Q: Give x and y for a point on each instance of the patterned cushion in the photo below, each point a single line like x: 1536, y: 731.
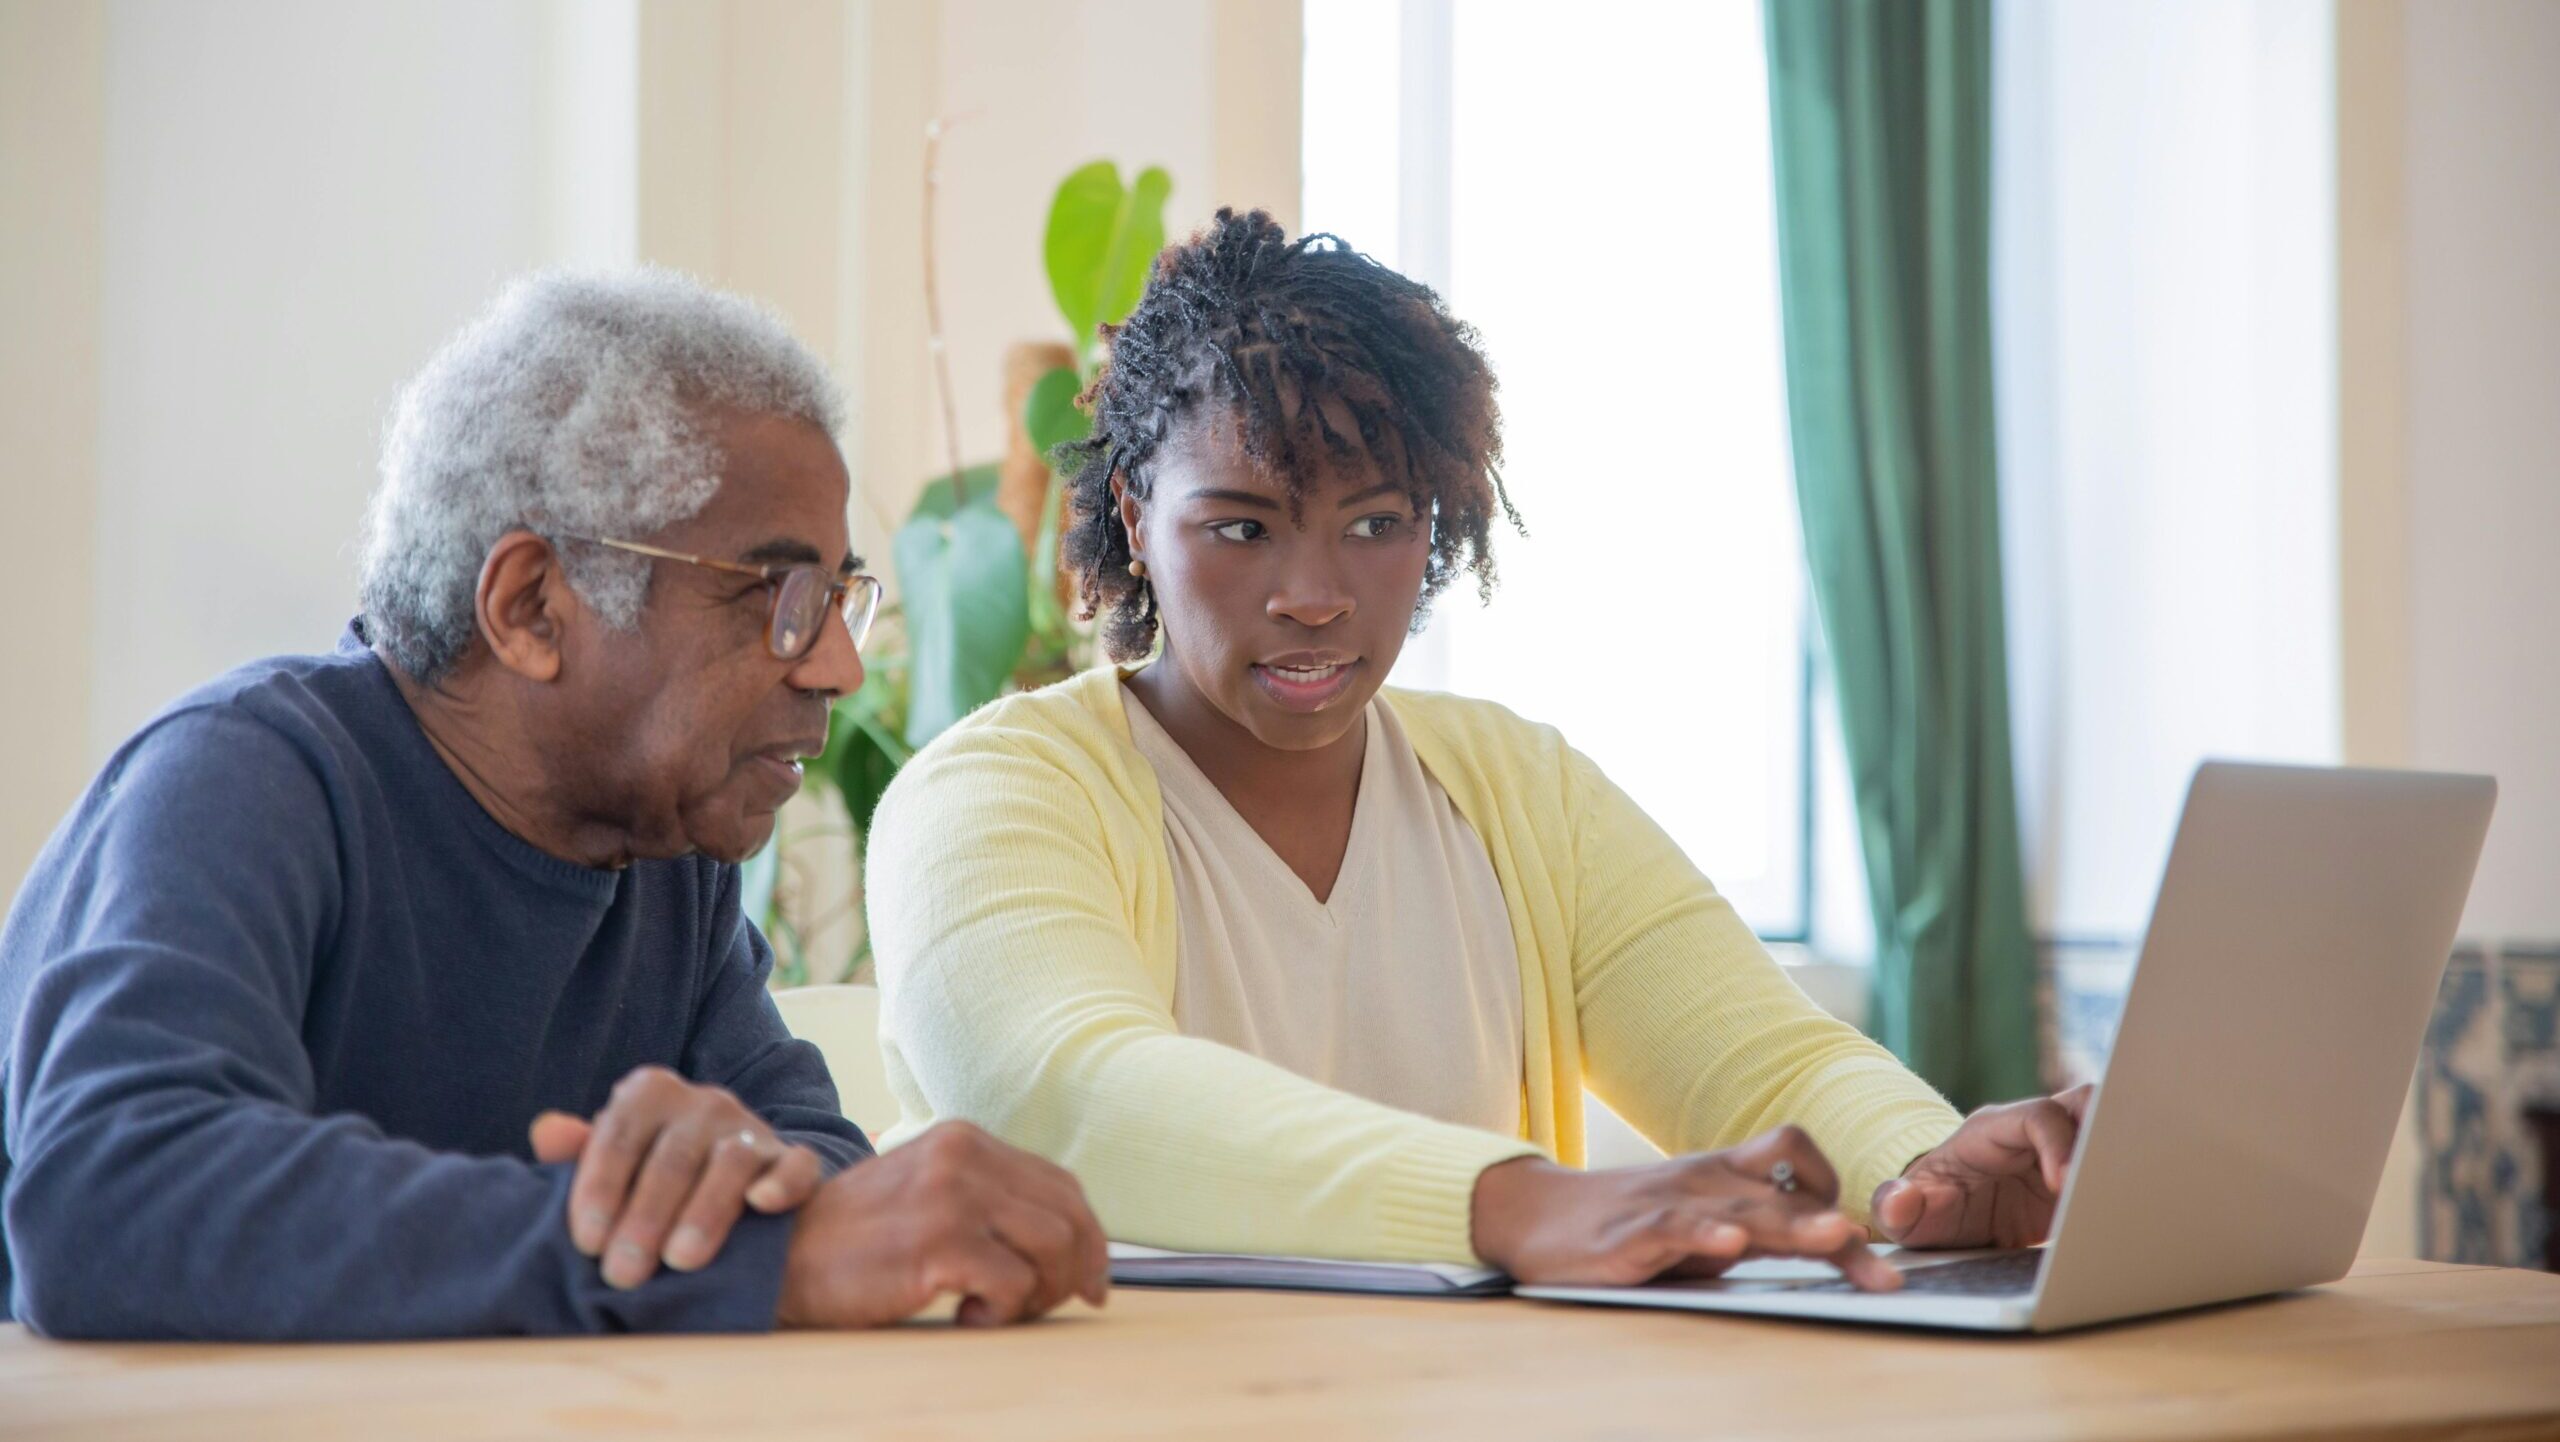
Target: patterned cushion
x: 2493, y: 1046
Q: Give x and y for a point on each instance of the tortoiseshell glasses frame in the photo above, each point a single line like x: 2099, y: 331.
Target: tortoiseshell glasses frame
x: 801, y: 595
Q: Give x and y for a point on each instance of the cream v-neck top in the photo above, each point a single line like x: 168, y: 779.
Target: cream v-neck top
x: 1402, y: 986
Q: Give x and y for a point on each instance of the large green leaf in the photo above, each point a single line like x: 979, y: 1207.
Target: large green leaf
x: 865, y: 747
x: 1081, y: 217
x: 1050, y: 416
x: 964, y: 585
x: 942, y: 497
x: 1048, y: 617
x: 870, y: 763
x: 756, y: 877
x: 1102, y: 238
x: 1135, y: 242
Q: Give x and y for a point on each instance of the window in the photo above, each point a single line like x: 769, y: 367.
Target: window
x: 1590, y: 188
x: 2164, y: 319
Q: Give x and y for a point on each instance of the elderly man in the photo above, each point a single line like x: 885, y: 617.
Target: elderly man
x: 404, y: 991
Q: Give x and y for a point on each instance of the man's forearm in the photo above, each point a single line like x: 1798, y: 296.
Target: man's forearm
x: 243, y: 1221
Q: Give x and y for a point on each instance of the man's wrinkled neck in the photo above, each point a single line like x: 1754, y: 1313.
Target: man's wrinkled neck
x: 480, y: 733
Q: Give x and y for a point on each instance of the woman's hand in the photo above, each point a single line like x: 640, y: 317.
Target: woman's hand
x: 1691, y: 1216
x: 1995, y: 1183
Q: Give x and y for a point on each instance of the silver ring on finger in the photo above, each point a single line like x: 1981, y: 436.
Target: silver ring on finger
x: 1783, y: 1177
x: 753, y: 1141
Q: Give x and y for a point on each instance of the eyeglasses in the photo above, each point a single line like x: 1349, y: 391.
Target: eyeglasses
x: 801, y: 596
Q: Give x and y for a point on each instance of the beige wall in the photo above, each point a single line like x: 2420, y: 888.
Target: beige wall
x: 2449, y: 485
x: 52, y: 141
x: 742, y: 133
x: 1029, y: 90
x: 781, y: 152
x: 2373, y: 574
x: 2449, y: 305
x: 2482, y: 392
x: 2373, y: 559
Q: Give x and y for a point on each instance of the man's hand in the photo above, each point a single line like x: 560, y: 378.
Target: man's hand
x: 953, y: 1212
x: 1691, y: 1216
x: 664, y: 1171
x: 1995, y: 1183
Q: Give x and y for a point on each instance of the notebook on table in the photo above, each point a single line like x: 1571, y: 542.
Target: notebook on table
x: 1134, y: 1266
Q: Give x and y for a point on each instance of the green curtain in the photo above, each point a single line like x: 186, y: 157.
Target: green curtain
x: 1880, y: 115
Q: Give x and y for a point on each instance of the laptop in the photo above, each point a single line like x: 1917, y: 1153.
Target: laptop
x: 2266, y: 1045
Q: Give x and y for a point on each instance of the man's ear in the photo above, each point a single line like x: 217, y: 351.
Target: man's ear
x: 523, y: 602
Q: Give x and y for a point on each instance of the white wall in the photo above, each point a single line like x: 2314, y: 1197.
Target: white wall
x: 2483, y: 419
x: 232, y: 231
x: 302, y: 198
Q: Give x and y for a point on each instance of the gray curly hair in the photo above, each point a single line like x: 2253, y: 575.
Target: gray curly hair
x: 574, y: 406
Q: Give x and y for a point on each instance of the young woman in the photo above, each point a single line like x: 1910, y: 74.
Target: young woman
x: 1279, y: 961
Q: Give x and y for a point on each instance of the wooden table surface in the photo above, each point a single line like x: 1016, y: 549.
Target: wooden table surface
x: 2400, y: 1349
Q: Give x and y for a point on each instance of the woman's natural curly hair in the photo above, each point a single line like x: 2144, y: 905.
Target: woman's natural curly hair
x: 1241, y: 314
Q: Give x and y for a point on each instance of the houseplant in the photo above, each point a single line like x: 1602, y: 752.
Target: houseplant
x: 979, y: 609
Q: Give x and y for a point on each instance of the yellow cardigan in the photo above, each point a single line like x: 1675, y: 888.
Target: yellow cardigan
x: 1022, y: 915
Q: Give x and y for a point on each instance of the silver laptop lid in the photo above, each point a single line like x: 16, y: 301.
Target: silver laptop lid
x: 2268, y: 1038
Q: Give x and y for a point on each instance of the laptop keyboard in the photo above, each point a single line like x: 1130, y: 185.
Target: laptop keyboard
x: 2009, y: 1274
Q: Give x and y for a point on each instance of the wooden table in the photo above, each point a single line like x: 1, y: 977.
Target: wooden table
x: 2400, y: 1349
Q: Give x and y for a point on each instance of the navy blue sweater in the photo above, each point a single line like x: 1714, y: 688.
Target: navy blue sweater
x: 280, y: 1000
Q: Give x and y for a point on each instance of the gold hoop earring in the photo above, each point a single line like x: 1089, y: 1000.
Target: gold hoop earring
x: 1138, y: 569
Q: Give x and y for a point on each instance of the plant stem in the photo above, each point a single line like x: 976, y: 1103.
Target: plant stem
x: 933, y: 310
